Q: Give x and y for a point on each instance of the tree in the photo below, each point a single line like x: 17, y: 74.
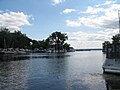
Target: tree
x: 57, y: 39
x: 5, y: 38
x: 13, y: 40
x: 116, y: 38
x: 66, y: 46
x: 18, y: 40
x: 106, y: 43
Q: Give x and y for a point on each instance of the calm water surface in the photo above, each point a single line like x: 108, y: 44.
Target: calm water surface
x: 69, y: 71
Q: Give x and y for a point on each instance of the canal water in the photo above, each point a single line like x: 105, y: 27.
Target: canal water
x: 70, y: 71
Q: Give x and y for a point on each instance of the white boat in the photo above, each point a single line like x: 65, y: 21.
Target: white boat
x: 111, y: 66
x: 8, y: 51
x: 20, y: 51
x: 13, y: 51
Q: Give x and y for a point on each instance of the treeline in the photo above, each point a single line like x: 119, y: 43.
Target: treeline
x: 13, y: 40
x: 18, y: 40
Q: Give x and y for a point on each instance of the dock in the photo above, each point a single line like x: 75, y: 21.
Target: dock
x: 111, y: 66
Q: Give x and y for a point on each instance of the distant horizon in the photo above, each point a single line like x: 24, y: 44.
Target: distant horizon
x: 87, y: 23
x: 88, y: 48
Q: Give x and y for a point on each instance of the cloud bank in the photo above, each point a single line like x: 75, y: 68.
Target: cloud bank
x: 14, y: 20
x: 98, y: 17
x: 103, y: 18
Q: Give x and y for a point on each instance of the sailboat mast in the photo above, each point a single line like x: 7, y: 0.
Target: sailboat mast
x: 119, y: 19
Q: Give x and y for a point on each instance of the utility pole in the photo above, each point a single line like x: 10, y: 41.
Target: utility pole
x: 119, y: 19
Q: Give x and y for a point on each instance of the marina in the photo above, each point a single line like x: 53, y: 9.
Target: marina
x: 60, y: 45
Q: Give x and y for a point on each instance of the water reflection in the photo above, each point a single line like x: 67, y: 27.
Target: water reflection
x: 112, y: 81
x: 69, y: 71
x: 48, y: 73
x: 13, y: 57
x: 13, y: 75
x: 84, y: 71
x: 49, y: 55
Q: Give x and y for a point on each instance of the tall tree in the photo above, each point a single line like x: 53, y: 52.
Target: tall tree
x: 13, y: 40
x: 57, y: 39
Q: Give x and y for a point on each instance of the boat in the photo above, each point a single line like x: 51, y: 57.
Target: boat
x: 111, y: 66
x: 7, y: 51
x: 71, y: 49
x: 20, y: 51
x: 13, y: 51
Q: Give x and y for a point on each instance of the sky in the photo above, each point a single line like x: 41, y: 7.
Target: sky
x: 88, y: 23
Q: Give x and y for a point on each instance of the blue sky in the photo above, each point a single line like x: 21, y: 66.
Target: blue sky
x: 88, y: 23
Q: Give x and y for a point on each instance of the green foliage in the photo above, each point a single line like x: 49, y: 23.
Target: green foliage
x: 57, y: 40
x: 13, y: 40
x: 18, y: 40
x: 116, y: 38
x: 4, y: 36
x: 58, y: 37
x: 66, y: 46
x: 106, y: 43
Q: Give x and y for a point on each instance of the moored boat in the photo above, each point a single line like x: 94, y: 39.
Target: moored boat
x: 14, y: 51
x: 111, y: 66
x: 7, y: 51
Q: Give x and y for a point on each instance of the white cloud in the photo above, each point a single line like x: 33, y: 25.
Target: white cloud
x: 14, y: 20
x: 90, y: 40
x: 92, y: 10
x: 86, y: 44
x: 106, y: 3
x: 73, y: 23
x: 68, y: 10
x: 55, y: 2
x: 103, y: 16
x: 107, y: 19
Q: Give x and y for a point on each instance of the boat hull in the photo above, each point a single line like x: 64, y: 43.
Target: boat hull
x: 111, y: 66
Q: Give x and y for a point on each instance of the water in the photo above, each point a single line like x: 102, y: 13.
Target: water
x: 70, y: 71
